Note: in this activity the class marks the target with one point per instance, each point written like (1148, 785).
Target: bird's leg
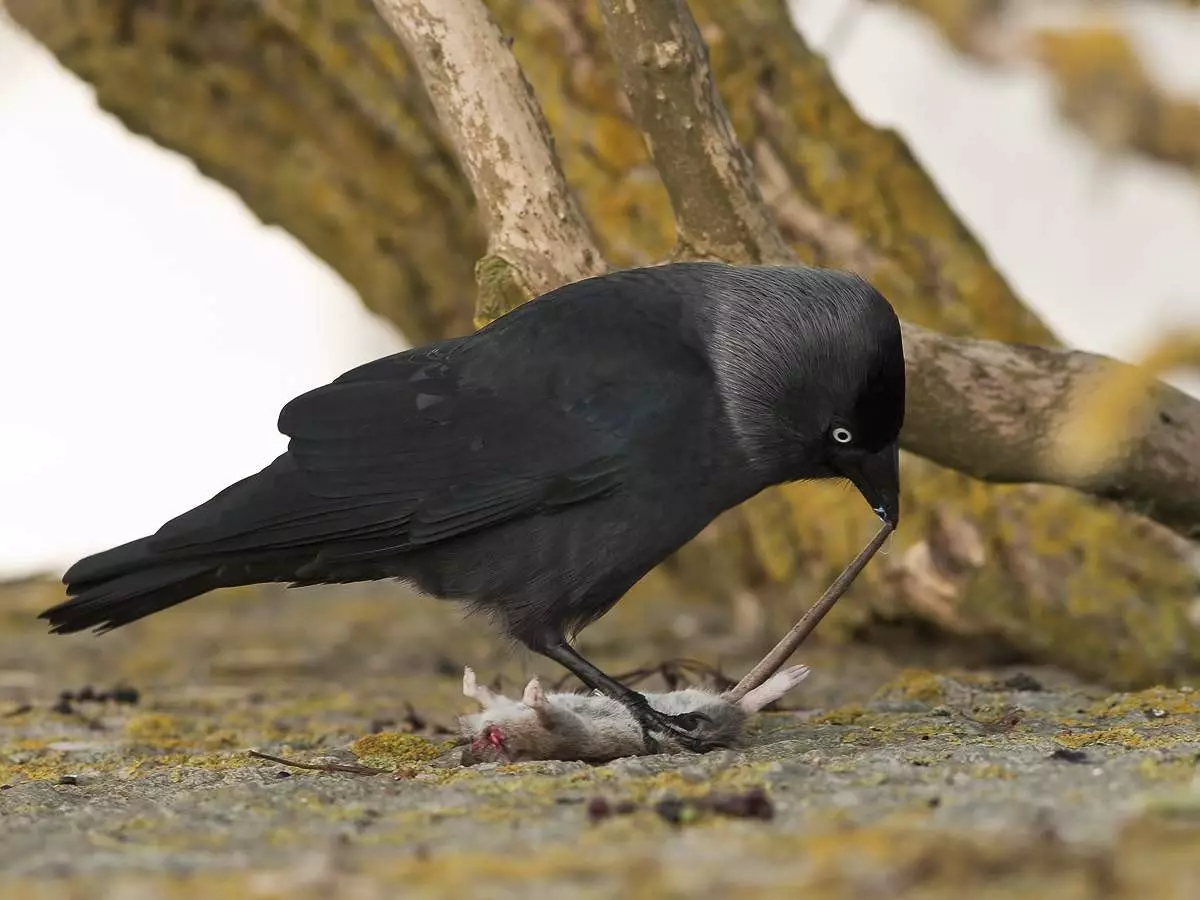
(681, 728)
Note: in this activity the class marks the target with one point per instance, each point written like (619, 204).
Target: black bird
(539, 467)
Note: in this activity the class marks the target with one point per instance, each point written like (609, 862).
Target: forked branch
(990, 410)
(987, 409)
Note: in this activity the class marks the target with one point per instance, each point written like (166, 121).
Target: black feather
(541, 466)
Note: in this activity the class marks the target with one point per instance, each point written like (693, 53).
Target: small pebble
(753, 804)
(674, 810)
(599, 809)
(1071, 756)
(126, 695)
(1022, 681)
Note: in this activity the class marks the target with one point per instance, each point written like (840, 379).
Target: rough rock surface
(879, 781)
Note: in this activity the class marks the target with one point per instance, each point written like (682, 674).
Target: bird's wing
(400, 453)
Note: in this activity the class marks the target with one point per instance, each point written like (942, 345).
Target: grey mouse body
(594, 727)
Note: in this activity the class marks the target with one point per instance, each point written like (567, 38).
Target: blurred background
(153, 327)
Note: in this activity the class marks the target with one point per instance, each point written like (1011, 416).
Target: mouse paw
(534, 697)
(476, 691)
(773, 688)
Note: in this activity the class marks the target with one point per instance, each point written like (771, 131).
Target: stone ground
(880, 781)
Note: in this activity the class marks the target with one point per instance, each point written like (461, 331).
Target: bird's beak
(877, 478)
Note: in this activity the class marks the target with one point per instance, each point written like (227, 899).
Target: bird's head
(810, 367)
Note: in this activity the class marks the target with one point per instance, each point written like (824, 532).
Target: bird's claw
(683, 729)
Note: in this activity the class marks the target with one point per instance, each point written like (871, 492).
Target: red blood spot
(494, 736)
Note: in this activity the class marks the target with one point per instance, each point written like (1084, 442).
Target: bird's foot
(685, 729)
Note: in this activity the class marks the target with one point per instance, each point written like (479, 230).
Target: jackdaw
(538, 468)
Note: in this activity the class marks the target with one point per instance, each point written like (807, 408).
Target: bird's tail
(124, 584)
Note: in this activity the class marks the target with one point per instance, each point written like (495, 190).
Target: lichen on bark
(501, 289)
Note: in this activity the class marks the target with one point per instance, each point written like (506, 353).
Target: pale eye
(842, 435)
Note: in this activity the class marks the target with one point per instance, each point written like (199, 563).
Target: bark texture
(537, 237)
(666, 76)
(1136, 440)
(314, 114)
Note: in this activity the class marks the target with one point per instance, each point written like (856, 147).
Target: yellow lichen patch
(1178, 769)
(158, 729)
(914, 684)
(219, 761)
(1118, 737)
(678, 785)
(1159, 703)
(842, 715)
(49, 768)
(392, 749)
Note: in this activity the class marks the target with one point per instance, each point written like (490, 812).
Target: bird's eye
(842, 435)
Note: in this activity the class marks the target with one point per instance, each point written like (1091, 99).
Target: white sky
(152, 328)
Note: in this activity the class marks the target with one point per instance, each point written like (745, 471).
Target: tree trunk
(312, 112)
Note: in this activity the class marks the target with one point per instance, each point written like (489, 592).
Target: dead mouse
(593, 727)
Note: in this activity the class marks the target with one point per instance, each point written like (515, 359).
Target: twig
(1008, 719)
(779, 654)
(665, 73)
(538, 237)
(319, 767)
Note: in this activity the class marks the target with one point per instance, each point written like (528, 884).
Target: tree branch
(1112, 410)
(998, 412)
(663, 61)
(321, 130)
(987, 409)
(538, 238)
